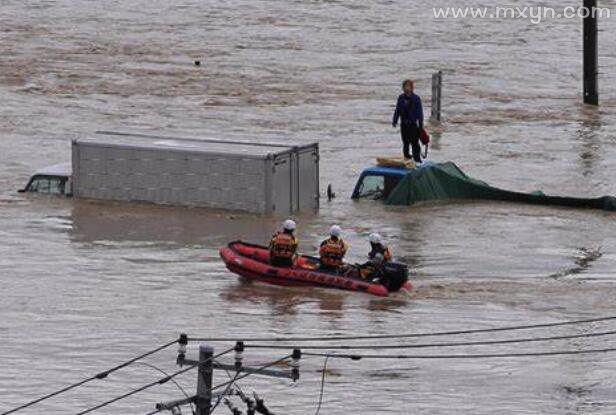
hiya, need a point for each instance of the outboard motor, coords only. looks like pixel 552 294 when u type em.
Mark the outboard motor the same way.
pixel 394 276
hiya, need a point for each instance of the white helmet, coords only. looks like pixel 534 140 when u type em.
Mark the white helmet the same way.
pixel 335 231
pixel 289 225
pixel 375 238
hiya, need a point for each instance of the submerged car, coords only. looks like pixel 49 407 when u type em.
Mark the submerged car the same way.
pixel 52 180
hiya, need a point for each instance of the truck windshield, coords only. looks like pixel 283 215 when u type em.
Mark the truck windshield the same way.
pixel 47 185
pixel 372 187
pixel 377 186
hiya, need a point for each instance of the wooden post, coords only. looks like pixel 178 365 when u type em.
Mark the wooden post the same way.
pixel 204 380
pixel 591 54
pixel 437 86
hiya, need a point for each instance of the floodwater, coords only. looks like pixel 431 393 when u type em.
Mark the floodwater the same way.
pixel 86 285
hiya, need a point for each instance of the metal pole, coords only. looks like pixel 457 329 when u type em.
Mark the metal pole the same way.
pixel 204 380
pixel 591 54
pixel 437 87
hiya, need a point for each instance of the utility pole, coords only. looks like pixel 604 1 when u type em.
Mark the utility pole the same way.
pixel 205 373
pixel 591 53
pixel 204 380
pixel 437 89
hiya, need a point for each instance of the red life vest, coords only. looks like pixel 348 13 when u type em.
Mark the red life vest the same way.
pixel 332 252
pixel 283 246
pixel 383 250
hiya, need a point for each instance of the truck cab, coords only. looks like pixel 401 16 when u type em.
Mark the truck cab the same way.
pixel 378 182
pixel 52 180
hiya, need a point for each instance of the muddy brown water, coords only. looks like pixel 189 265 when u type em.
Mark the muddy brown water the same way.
pixel 87 284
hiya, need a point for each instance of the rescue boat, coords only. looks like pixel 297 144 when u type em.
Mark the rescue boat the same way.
pixel 252 262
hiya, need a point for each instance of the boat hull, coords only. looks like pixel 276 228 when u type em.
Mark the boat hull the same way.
pixel 252 262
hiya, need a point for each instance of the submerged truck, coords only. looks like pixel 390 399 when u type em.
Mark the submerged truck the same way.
pixel 54 180
pixel 445 181
pixel 266 178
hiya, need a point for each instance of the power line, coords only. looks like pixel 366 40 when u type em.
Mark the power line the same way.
pixel 172 380
pixel 430 345
pixel 252 372
pixel 398 336
pixel 460 356
pixel 101 375
pixel 322 389
pixel 151 384
pixel 226 391
pixel 231 377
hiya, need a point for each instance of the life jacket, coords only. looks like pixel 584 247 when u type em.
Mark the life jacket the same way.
pixel 283 246
pixel 332 252
pixel 381 249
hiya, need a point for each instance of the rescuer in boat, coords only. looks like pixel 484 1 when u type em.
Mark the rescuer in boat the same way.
pixel 378 246
pixel 410 112
pixel 379 256
pixel 283 246
pixel 333 250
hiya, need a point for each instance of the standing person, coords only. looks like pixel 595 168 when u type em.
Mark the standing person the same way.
pixel 410 112
pixel 333 250
pixel 283 246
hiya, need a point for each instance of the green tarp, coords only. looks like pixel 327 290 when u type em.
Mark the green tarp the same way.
pixel 446 181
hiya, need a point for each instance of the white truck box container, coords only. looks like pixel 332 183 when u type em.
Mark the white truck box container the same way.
pixel 236 175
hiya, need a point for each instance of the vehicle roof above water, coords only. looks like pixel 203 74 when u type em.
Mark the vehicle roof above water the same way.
pixel 62 169
pixel 395 171
pixel 386 171
pixel 201 145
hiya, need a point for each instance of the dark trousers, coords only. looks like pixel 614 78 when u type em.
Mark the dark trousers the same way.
pixel 327 268
pixel 410 137
pixel 282 262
